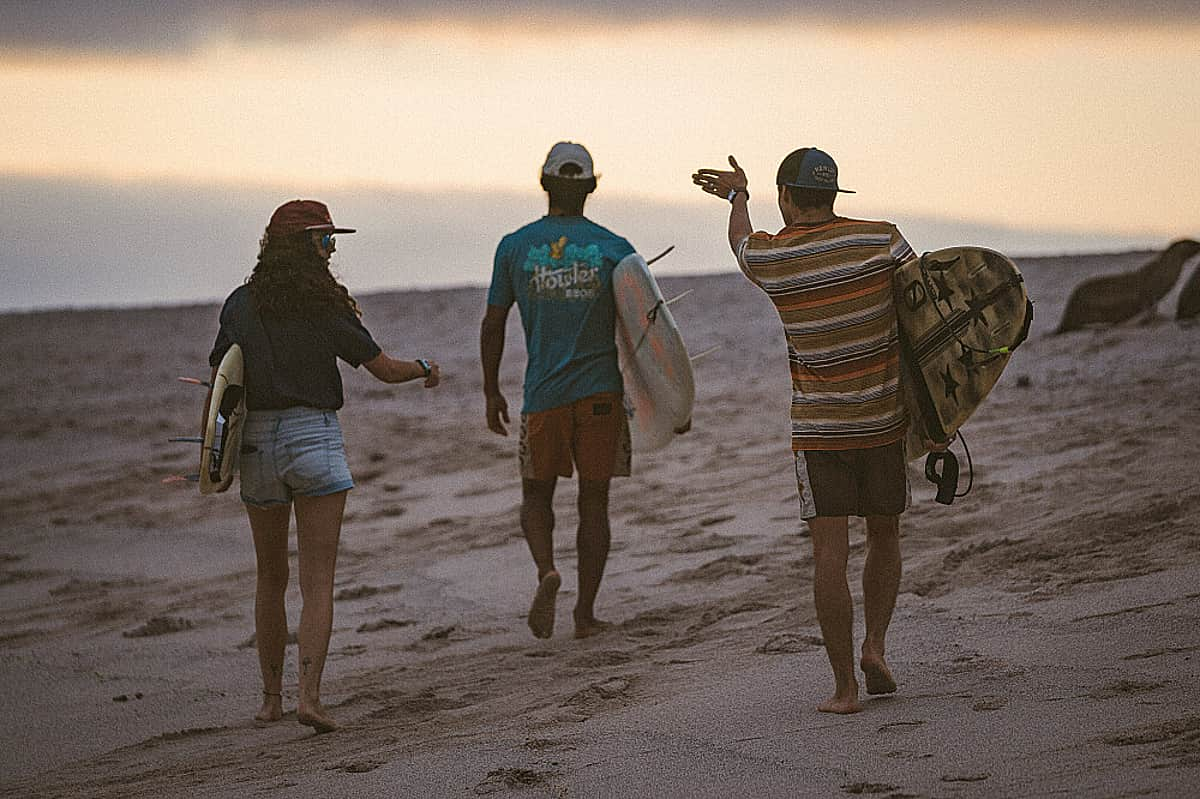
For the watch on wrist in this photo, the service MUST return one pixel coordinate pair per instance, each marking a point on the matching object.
(735, 192)
(424, 364)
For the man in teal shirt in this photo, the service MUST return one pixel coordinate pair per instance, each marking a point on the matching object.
(558, 270)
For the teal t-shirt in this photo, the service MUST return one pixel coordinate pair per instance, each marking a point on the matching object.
(558, 270)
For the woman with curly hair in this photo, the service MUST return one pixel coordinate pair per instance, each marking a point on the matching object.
(293, 320)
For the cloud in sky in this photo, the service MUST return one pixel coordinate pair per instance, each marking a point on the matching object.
(121, 26)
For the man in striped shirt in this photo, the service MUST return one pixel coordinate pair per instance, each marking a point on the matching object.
(830, 279)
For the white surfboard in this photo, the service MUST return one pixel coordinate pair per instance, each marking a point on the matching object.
(222, 442)
(659, 388)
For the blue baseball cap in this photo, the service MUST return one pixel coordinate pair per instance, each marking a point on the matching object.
(809, 168)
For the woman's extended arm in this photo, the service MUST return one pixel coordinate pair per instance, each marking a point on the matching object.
(390, 370)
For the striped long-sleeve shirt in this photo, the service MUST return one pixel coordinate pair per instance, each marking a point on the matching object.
(832, 286)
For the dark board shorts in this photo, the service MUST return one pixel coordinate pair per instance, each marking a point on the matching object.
(853, 482)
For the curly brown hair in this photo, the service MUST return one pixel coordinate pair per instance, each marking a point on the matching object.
(292, 279)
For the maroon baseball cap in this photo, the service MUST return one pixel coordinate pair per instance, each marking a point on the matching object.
(300, 215)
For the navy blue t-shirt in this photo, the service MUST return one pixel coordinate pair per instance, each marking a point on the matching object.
(558, 270)
(291, 362)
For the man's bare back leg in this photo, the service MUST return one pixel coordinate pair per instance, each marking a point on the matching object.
(835, 609)
(592, 544)
(537, 523)
(881, 584)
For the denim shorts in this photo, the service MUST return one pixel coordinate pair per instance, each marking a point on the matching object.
(289, 452)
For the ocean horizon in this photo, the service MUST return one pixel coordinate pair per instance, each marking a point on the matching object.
(74, 243)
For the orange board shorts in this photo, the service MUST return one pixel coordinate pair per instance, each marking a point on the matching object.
(590, 434)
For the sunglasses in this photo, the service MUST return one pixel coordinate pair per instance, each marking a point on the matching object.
(328, 241)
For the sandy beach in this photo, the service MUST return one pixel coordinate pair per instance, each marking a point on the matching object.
(1045, 640)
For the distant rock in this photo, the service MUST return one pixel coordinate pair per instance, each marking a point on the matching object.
(1111, 299)
(1189, 298)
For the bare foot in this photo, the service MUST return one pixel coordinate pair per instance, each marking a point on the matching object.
(879, 676)
(272, 708)
(586, 628)
(541, 612)
(316, 717)
(839, 703)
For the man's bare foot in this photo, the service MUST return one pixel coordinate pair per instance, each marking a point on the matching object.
(315, 716)
(842, 702)
(541, 612)
(586, 628)
(879, 676)
(272, 708)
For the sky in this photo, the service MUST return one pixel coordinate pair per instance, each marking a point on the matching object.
(1032, 127)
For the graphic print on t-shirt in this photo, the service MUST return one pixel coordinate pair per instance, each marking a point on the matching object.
(562, 270)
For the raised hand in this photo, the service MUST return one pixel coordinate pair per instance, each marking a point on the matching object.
(721, 182)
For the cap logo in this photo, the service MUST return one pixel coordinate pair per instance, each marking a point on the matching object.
(824, 173)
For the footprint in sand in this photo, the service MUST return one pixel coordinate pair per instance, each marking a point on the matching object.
(542, 744)
(160, 625)
(989, 703)
(357, 592)
(790, 643)
(861, 788)
(719, 569)
(1124, 688)
(512, 779)
(896, 725)
(601, 658)
(965, 777)
(694, 542)
(10, 576)
(1178, 740)
(440, 637)
(383, 624)
(355, 766)
(425, 702)
(348, 651)
(1160, 651)
(600, 695)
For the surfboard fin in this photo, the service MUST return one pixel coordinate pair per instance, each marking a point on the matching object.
(660, 255)
(181, 478)
(195, 381)
(708, 351)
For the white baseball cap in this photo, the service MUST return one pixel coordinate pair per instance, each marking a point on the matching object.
(568, 152)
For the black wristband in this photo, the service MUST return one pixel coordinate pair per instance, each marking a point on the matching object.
(424, 364)
(735, 192)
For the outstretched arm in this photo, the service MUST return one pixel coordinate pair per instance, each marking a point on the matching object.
(730, 186)
(390, 370)
(491, 350)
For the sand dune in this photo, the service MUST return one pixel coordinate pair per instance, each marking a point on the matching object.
(1045, 640)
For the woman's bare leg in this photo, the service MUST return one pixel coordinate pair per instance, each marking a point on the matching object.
(318, 527)
(270, 529)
